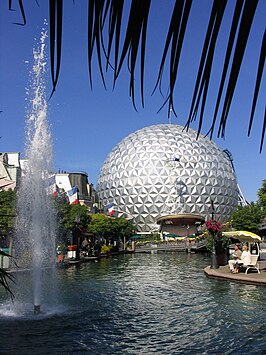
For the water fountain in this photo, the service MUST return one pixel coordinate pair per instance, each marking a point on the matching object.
(35, 225)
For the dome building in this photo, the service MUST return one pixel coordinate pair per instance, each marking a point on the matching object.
(165, 170)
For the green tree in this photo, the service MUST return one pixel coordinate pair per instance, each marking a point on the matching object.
(7, 212)
(69, 215)
(100, 226)
(78, 214)
(106, 230)
(122, 228)
(63, 210)
(262, 196)
(247, 218)
(7, 220)
(70, 218)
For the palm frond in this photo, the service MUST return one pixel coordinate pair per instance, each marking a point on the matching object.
(263, 130)
(95, 12)
(56, 23)
(115, 9)
(257, 86)
(5, 276)
(136, 30)
(110, 12)
(245, 26)
(236, 17)
(176, 33)
(22, 12)
(204, 72)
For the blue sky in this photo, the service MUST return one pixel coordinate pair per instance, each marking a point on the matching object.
(86, 124)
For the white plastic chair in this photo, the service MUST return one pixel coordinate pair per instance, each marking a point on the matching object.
(254, 264)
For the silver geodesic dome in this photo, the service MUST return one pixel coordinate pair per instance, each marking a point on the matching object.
(163, 169)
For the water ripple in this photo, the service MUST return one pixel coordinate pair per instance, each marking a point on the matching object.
(145, 304)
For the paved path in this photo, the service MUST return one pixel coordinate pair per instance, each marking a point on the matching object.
(252, 277)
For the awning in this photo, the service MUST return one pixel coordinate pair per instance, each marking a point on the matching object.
(172, 235)
(137, 237)
(243, 236)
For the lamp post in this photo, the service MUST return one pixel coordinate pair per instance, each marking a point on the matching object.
(77, 236)
(213, 257)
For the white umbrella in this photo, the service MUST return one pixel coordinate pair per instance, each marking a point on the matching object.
(243, 236)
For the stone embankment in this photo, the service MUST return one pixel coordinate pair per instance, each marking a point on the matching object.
(253, 277)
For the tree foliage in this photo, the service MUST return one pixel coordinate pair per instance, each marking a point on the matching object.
(110, 228)
(70, 217)
(63, 209)
(7, 220)
(250, 217)
(78, 216)
(7, 211)
(100, 225)
(121, 228)
(221, 243)
(262, 196)
(247, 218)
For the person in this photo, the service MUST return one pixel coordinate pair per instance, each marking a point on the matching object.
(245, 259)
(236, 257)
(84, 244)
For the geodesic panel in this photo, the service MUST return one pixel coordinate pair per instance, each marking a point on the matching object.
(163, 169)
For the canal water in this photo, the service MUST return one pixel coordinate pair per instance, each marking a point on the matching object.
(140, 304)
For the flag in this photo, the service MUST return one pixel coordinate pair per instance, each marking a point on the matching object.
(50, 185)
(73, 196)
(110, 208)
(50, 181)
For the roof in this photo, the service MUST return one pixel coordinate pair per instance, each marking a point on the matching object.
(181, 217)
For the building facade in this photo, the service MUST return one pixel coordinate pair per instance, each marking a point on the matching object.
(10, 170)
(65, 181)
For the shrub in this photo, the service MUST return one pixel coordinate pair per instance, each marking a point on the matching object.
(105, 249)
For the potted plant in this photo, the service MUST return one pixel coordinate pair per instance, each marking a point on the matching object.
(216, 242)
(61, 251)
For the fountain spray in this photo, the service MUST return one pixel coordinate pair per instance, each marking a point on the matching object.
(36, 215)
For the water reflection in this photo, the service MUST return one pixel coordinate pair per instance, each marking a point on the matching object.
(144, 304)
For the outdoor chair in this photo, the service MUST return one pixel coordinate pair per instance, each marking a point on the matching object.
(254, 264)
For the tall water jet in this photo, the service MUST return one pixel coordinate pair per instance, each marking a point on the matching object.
(35, 225)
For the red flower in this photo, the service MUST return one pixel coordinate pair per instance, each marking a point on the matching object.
(213, 226)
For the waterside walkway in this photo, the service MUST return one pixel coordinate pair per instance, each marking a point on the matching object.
(183, 245)
(85, 259)
(252, 278)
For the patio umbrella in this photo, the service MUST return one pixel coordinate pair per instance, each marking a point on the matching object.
(243, 236)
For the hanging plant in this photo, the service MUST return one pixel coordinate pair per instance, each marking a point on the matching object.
(221, 243)
(213, 226)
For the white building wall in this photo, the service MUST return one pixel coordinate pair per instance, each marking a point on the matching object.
(13, 159)
(62, 182)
